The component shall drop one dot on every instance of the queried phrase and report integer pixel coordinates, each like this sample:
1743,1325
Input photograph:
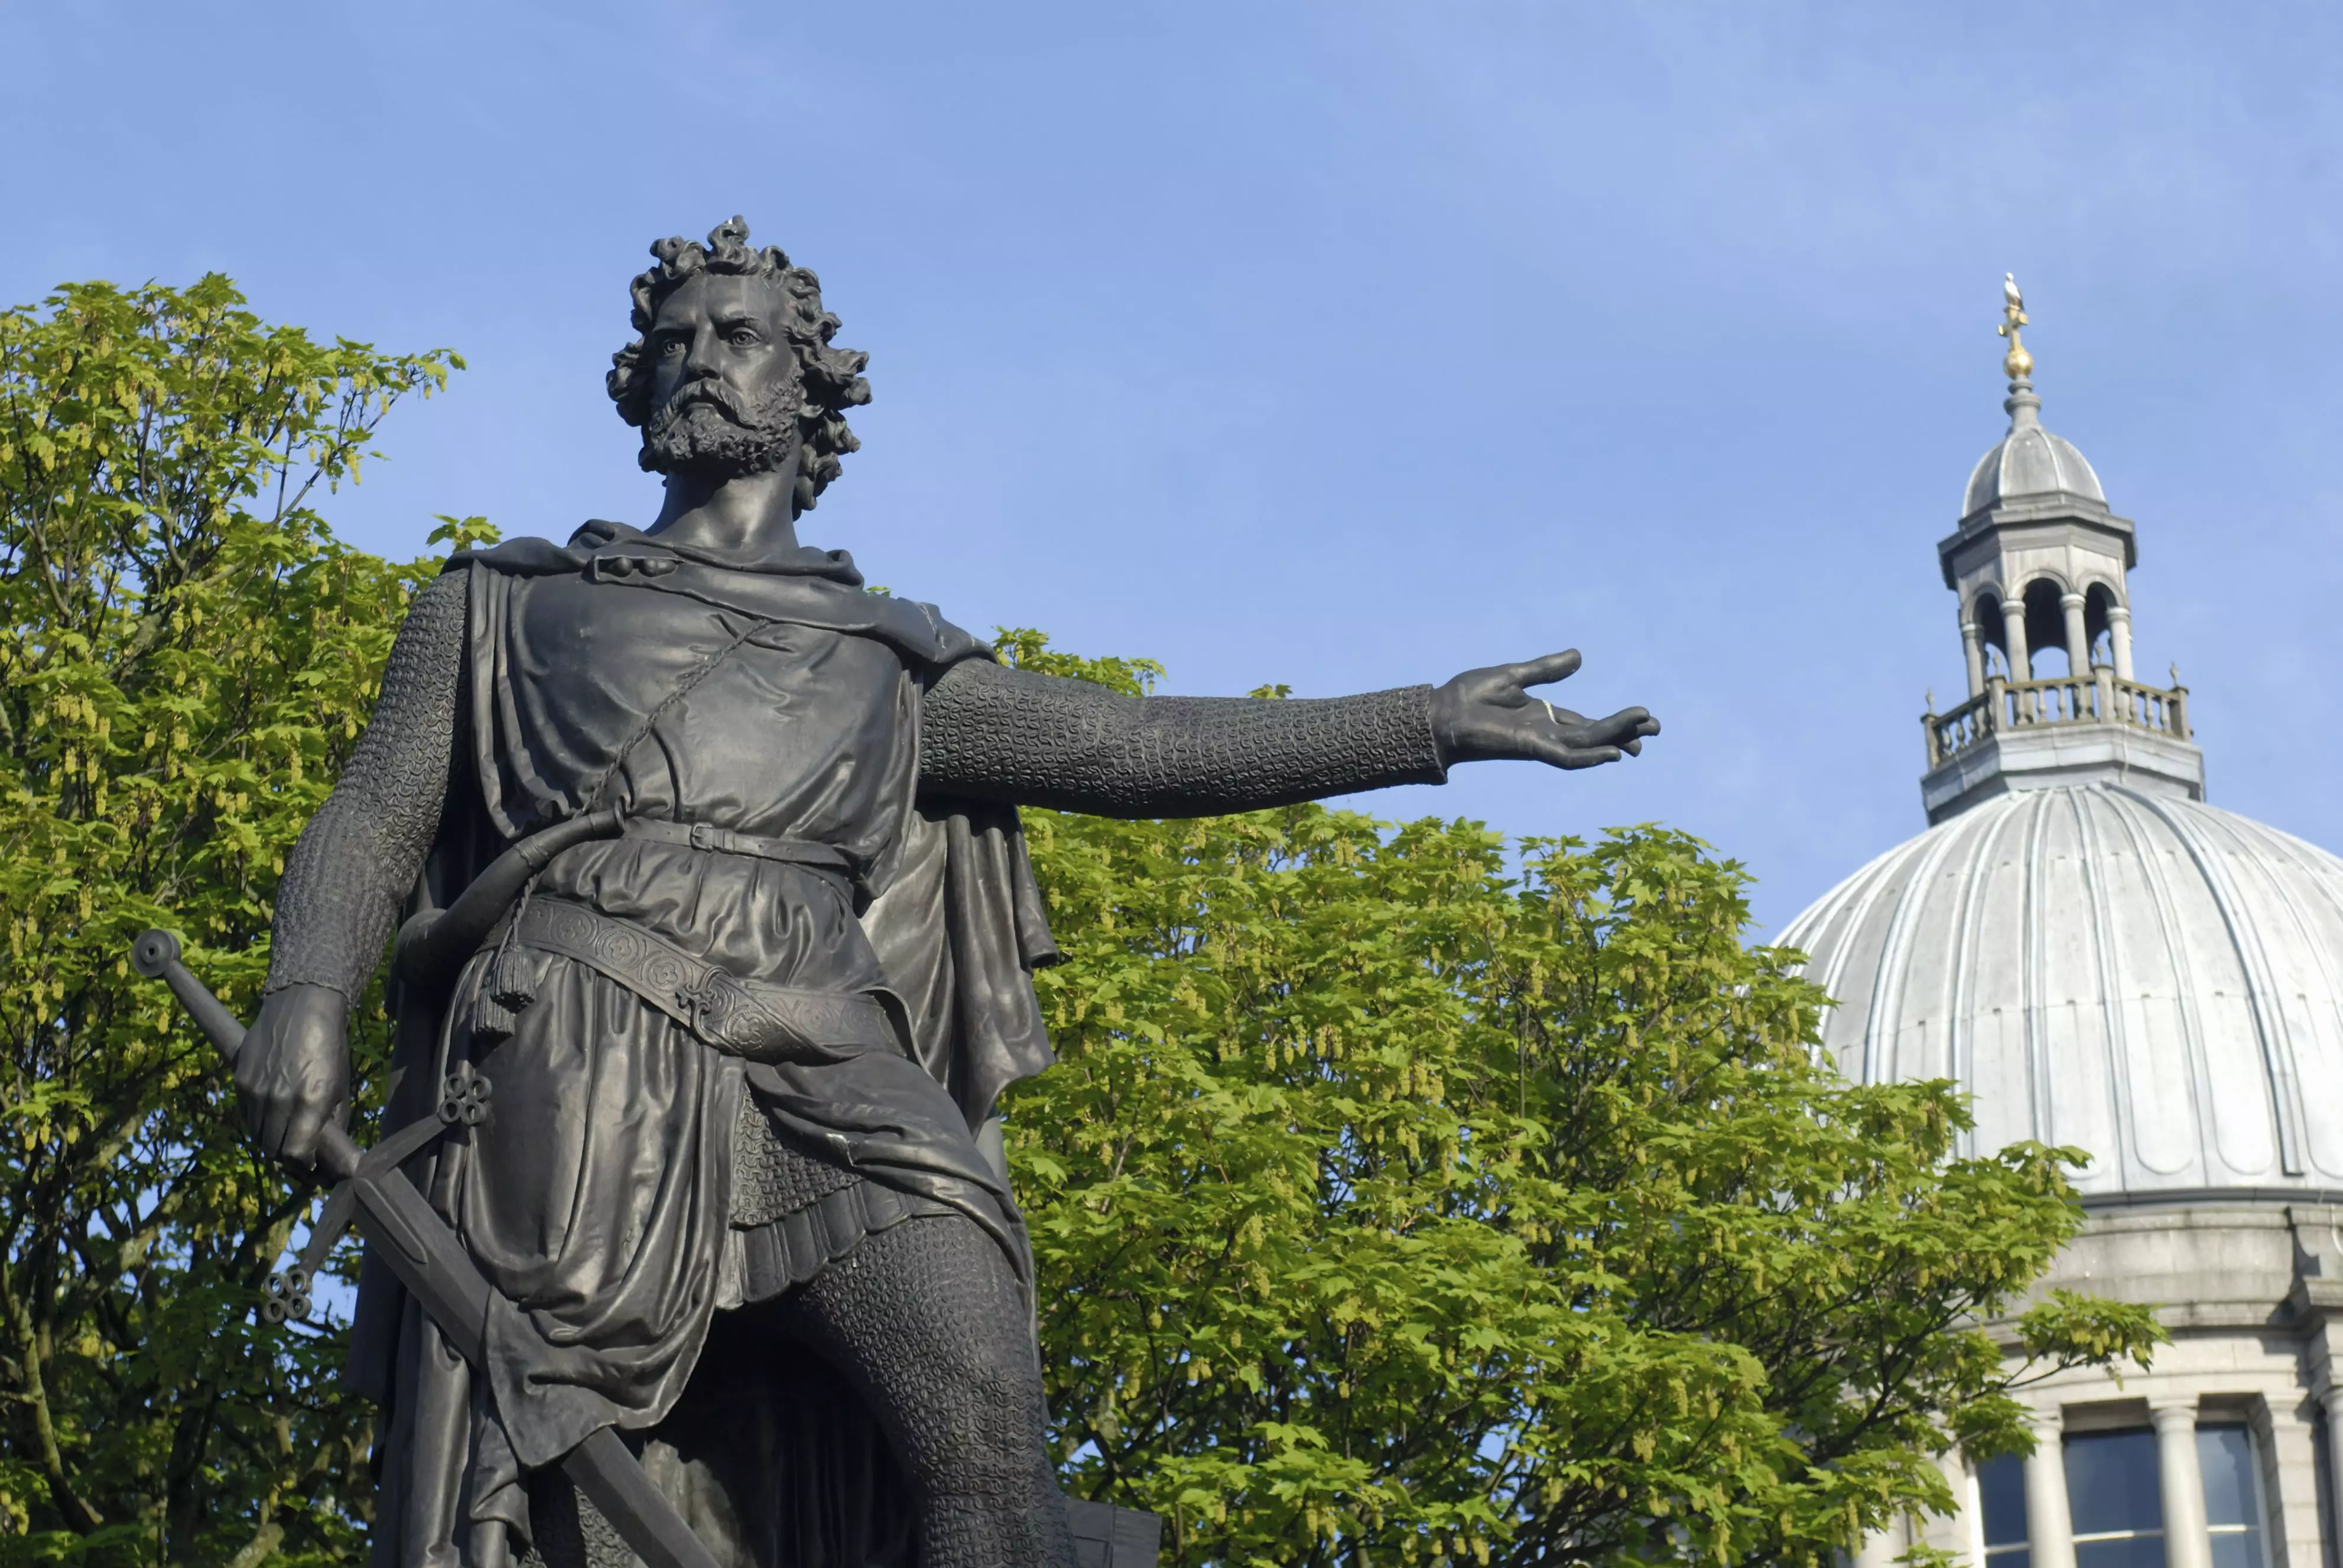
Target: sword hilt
156,955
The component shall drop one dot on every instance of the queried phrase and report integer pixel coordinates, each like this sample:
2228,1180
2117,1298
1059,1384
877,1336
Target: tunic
599,1203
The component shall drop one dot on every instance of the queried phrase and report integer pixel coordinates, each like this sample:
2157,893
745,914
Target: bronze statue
746,1027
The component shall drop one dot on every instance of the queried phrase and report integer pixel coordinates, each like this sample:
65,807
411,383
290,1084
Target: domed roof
2154,980
2029,461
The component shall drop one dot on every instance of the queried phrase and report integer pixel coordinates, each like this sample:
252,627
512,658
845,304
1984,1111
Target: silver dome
2153,980
2029,461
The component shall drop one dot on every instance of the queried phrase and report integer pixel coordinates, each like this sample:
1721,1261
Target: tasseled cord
509,986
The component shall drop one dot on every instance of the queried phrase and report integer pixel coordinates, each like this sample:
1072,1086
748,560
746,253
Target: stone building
2103,958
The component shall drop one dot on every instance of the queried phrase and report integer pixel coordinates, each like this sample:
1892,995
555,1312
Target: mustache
716,393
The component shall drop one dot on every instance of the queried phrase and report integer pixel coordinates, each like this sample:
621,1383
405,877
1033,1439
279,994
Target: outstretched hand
1486,715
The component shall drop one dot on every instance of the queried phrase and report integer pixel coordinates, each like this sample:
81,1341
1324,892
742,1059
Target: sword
427,1257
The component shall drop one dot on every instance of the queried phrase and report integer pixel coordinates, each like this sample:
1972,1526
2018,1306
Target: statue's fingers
1577,730
1628,725
272,1124
252,1109
1568,752
301,1130
1541,671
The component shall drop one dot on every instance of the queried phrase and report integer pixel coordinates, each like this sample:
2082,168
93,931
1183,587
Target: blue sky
1347,345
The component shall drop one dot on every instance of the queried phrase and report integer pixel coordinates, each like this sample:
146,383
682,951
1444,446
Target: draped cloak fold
598,1198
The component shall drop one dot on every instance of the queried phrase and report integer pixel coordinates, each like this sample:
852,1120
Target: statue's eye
670,345
743,337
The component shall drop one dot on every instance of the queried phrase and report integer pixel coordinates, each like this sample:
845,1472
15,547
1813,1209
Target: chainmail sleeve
360,853
1031,740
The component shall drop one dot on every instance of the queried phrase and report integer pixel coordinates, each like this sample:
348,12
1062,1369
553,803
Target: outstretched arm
1029,738
345,879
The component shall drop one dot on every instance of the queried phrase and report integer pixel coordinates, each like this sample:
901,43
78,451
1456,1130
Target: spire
2022,406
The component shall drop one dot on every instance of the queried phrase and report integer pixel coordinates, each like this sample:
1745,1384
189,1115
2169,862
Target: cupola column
1975,653
2049,1527
2078,641
2186,1543
2012,639
2119,635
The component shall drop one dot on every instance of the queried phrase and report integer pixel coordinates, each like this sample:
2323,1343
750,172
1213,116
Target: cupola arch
2054,624
1983,639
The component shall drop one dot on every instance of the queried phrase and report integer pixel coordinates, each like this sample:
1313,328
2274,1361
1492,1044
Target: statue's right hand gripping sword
418,1246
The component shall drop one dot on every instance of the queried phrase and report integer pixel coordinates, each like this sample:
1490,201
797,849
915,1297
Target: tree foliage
187,655
1396,1200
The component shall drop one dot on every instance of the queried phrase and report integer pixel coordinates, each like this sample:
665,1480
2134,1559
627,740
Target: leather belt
725,841
742,1018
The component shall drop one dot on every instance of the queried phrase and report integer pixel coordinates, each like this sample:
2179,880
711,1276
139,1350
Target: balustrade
2100,698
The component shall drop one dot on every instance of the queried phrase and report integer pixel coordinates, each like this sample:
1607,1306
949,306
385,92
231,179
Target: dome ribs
2147,978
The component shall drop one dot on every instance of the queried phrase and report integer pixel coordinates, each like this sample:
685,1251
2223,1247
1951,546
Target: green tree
187,655
1397,1199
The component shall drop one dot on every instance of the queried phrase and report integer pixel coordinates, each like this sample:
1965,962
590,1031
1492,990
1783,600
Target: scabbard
427,1259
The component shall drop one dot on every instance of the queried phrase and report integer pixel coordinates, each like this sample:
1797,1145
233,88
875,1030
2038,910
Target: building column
2049,1528
1974,652
2012,639
2186,1543
2078,641
2331,1401
2119,633
1961,1532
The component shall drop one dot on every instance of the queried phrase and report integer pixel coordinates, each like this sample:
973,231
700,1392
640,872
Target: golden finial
2017,364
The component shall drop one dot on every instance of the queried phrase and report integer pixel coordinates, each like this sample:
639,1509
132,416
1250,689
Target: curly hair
830,378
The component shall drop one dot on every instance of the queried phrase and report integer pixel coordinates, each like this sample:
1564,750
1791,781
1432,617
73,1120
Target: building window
2001,1499
2233,1497
2113,1498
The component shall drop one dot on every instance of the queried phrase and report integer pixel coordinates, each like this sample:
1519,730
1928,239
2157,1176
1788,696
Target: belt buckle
702,837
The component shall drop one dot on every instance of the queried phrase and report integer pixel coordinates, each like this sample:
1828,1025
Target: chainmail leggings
774,1463
927,1323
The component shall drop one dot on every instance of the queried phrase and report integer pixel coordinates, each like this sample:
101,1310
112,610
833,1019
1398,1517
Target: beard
710,432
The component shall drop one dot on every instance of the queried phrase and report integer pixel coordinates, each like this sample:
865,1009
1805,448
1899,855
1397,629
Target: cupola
2039,565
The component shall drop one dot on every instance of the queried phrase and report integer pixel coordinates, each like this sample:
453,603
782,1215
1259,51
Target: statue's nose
700,361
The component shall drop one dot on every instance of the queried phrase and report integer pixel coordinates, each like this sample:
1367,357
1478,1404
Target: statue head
731,371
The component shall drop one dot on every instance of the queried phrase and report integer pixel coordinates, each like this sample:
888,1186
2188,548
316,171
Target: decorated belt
742,1018
724,841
